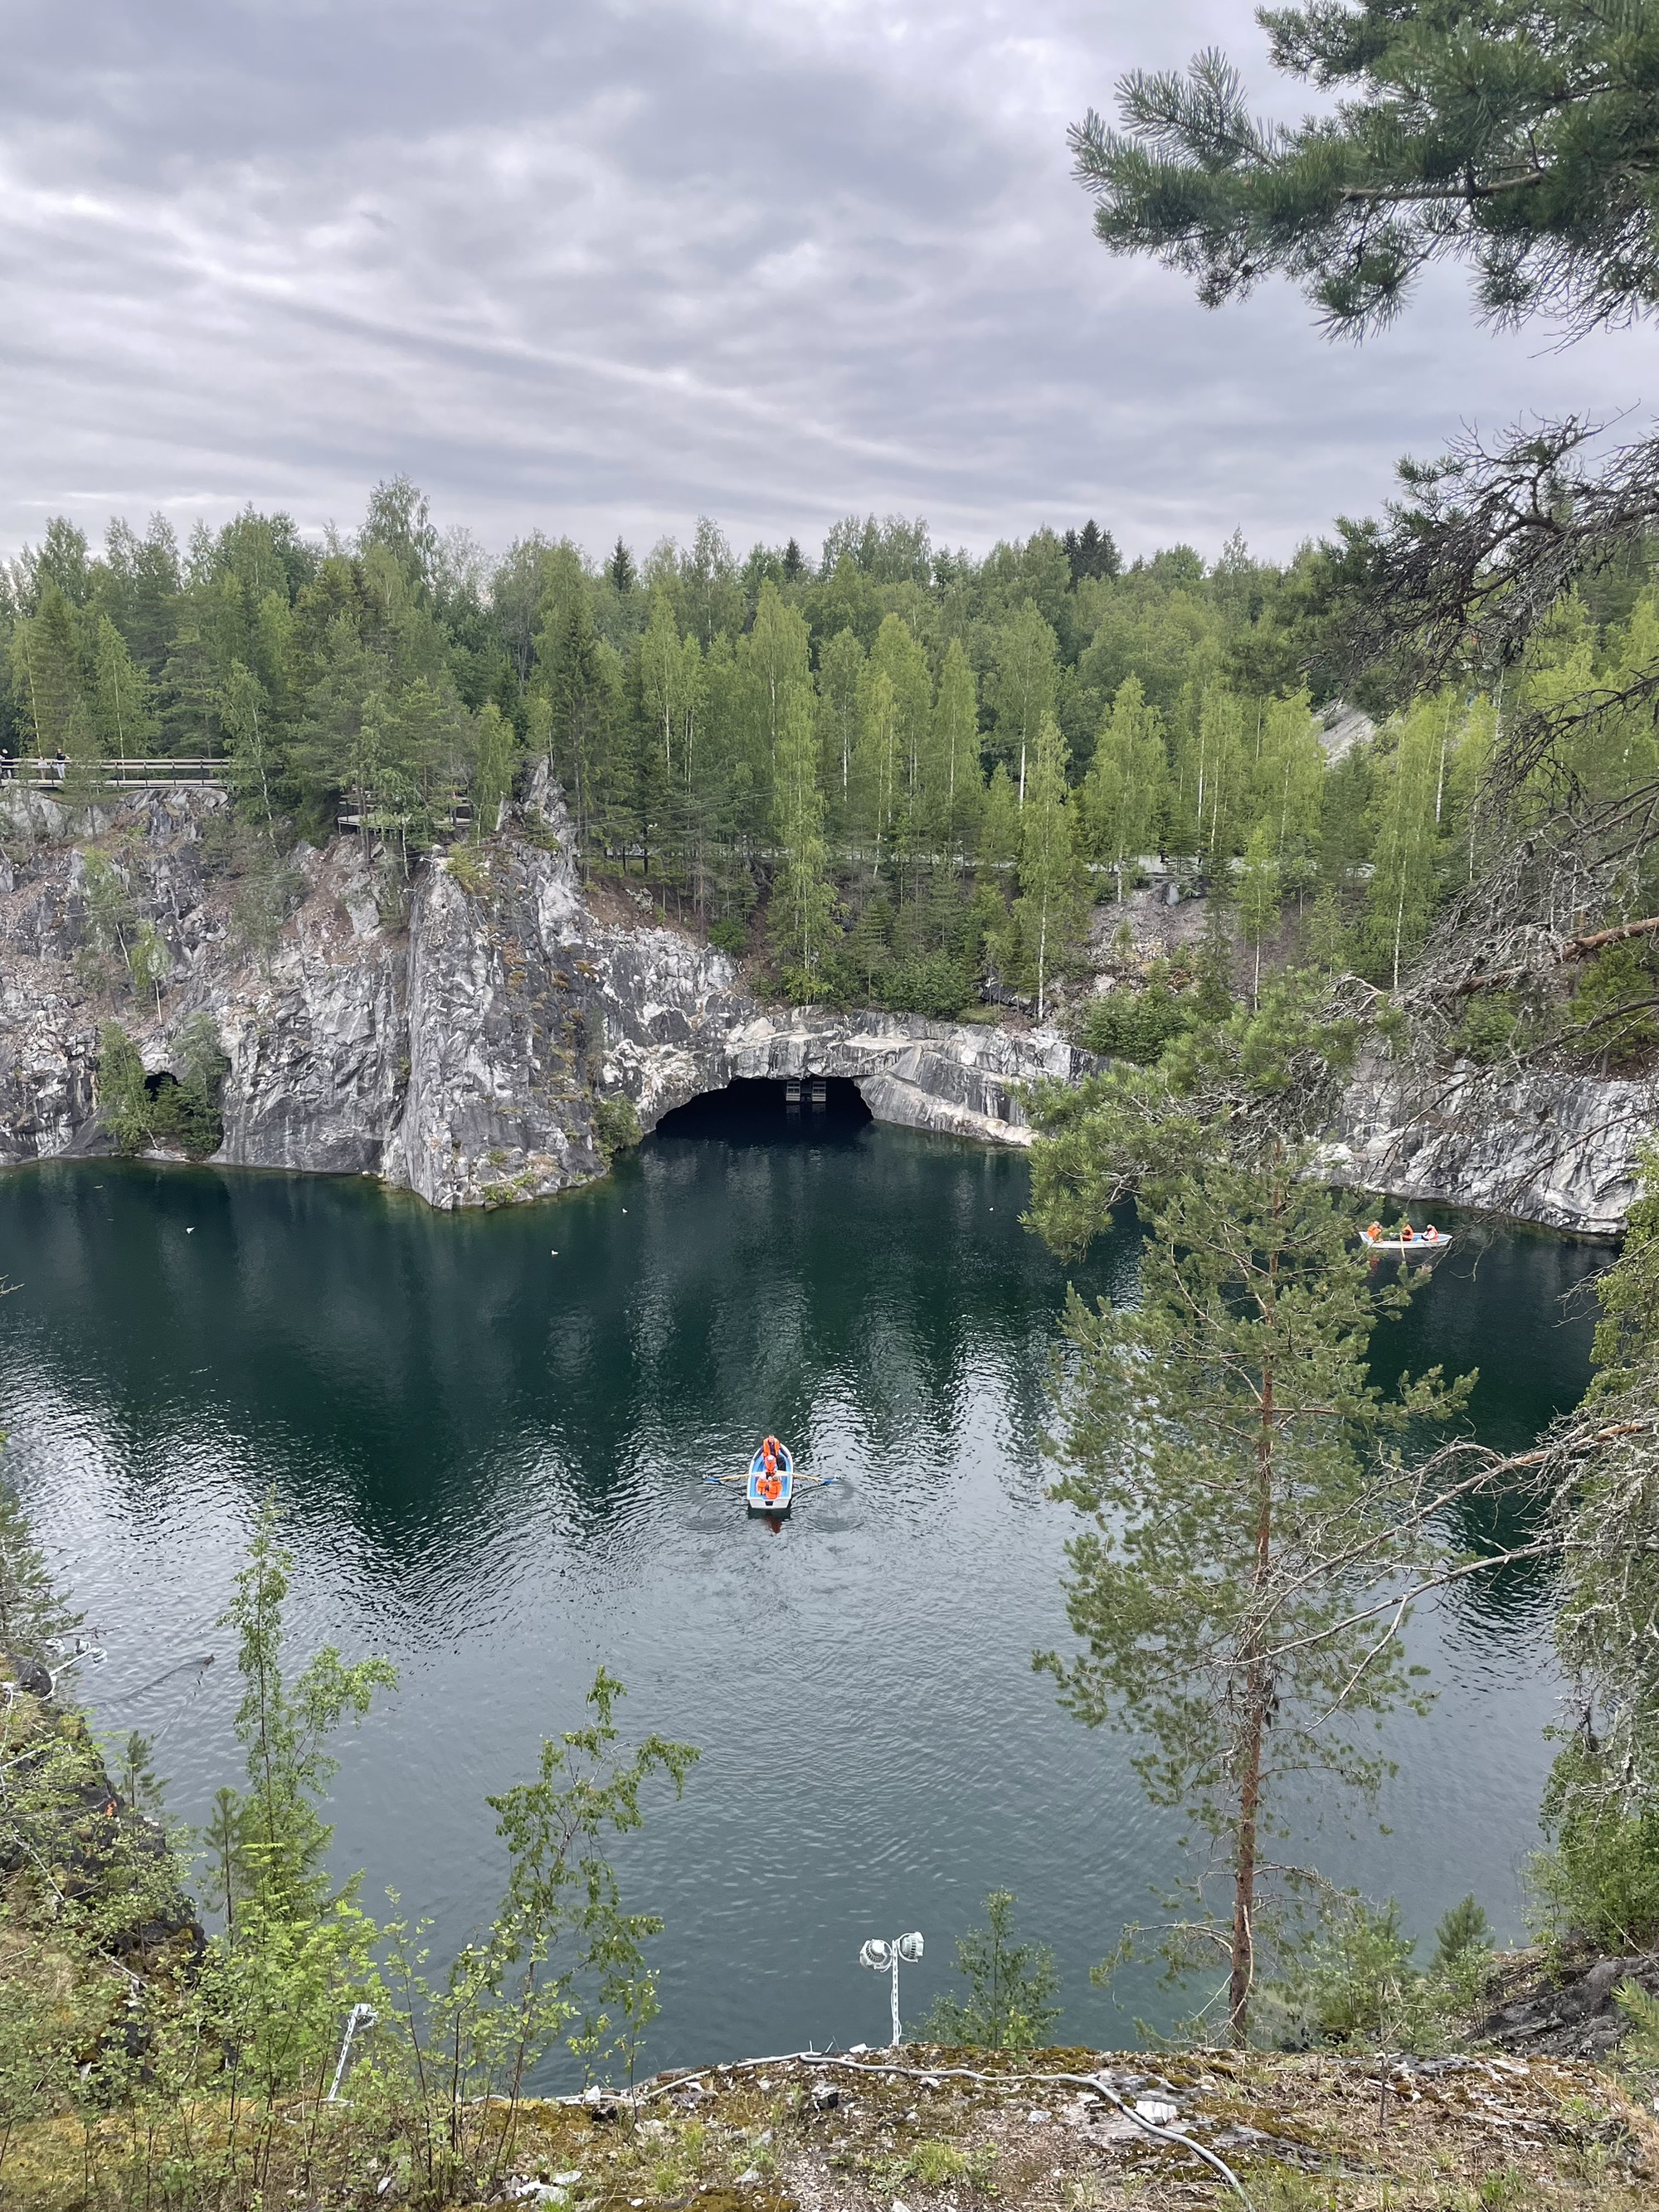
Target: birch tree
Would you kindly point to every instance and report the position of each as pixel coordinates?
(251, 767)
(876, 762)
(671, 671)
(956, 715)
(1258, 892)
(1123, 786)
(1401, 899)
(802, 900)
(841, 670)
(1024, 675)
(125, 720)
(1053, 899)
(1290, 776)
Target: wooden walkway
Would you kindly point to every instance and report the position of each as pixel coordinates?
(33, 773)
(38, 773)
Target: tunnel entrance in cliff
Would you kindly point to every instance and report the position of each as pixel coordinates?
(809, 1108)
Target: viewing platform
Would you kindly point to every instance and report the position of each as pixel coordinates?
(46, 774)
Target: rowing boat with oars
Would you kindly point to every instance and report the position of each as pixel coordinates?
(1404, 1238)
(770, 1480)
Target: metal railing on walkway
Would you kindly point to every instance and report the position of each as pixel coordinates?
(42, 772)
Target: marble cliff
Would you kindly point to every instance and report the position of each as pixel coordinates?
(461, 1041)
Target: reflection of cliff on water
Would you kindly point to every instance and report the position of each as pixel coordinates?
(432, 1378)
(1515, 1306)
(415, 1370)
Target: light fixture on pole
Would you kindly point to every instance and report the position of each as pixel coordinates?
(881, 1956)
(362, 2016)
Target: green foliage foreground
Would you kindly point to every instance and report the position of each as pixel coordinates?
(141, 2063)
(1517, 140)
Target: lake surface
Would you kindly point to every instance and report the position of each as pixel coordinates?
(489, 1436)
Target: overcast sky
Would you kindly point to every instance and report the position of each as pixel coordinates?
(601, 266)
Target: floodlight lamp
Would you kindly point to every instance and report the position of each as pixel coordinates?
(883, 1956)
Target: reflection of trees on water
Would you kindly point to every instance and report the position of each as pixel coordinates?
(1516, 1306)
(433, 1380)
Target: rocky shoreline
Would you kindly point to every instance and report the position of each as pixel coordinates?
(462, 1041)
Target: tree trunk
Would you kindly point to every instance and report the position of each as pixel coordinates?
(1255, 1722)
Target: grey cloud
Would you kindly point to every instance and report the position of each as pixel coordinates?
(608, 267)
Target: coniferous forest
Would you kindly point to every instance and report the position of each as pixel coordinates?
(897, 775)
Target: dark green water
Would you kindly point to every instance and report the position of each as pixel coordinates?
(492, 1463)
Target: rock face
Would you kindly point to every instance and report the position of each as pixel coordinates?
(465, 1050)
(1556, 1149)
(1570, 2012)
(466, 1037)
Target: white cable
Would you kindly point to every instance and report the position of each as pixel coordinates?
(935, 2074)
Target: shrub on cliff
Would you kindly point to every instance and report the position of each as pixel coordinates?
(180, 1108)
(1007, 2005)
(125, 1109)
(1599, 1878)
(32, 1616)
(1600, 1875)
(1352, 1981)
(1135, 1025)
(193, 1104)
(616, 1125)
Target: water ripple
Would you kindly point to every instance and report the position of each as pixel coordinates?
(492, 1468)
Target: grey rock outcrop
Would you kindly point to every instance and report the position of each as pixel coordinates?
(1570, 2012)
(462, 1050)
(460, 1037)
(1556, 1149)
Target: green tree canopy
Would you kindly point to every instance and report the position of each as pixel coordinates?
(1251, 1534)
(1520, 139)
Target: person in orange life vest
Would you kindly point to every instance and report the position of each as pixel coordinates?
(770, 1485)
(1406, 1233)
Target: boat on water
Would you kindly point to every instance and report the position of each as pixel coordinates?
(770, 1481)
(1403, 1238)
(770, 1487)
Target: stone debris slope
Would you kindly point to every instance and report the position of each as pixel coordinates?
(1075, 2129)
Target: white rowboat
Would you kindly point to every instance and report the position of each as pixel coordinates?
(1420, 1240)
(773, 1493)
